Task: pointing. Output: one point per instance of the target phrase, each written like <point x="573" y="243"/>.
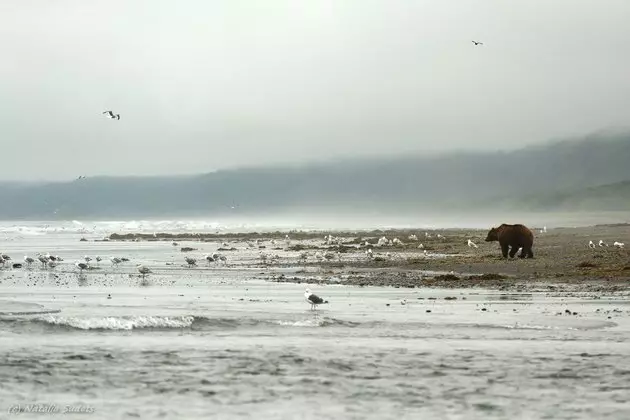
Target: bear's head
<point x="493" y="235"/>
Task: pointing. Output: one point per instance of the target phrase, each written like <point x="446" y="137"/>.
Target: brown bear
<point x="514" y="236"/>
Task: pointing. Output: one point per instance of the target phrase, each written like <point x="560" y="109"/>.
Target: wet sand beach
<point x="437" y="258"/>
<point x="401" y="337"/>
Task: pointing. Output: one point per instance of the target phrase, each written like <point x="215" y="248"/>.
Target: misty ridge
<point x="586" y="174"/>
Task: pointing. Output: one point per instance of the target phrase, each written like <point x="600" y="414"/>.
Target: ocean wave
<point x="316" y="322"/>
<point x="118" y="323"/>
<point x="147" y="322"/>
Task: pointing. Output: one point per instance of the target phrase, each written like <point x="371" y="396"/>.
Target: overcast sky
<point x="203" y="85"/>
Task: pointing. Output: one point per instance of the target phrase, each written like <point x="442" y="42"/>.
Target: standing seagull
<point x="190" y="261"/>
<point x="81" y="266"/>
<point x="471" y="243"/>
<point x="111" y="115"/>
<point x="474" y="42"/>
<point x="42" y="259"/>
<point x="314" y="300"/>
<point x="144" y="270"/>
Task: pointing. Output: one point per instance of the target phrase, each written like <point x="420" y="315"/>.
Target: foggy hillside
<point x="587" y="174"/>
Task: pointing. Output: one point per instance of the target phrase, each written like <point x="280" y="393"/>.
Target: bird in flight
<point x="111" y="115"/>
<point x="477" y="43"/>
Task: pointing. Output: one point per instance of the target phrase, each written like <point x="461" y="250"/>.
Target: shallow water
<point x="215" y="342"/>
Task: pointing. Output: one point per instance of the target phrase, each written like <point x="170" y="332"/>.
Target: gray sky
<point x="203" y="85"/>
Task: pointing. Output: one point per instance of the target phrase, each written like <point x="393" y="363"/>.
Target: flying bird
<point x="477" y="43"/>
<point x="111" y="115"/>
<point x="313" y="299"/>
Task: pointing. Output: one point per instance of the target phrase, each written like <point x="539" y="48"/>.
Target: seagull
<point x="115" y="261"/>
<point x="602" y="243"/>
<point x="144" y="270"/>
<point x="471" y="243"/>
<point x="28" y="260"/>
<point x="87" y="259"/>
<point x="209" y="258"/>
<point x="477" y="43"/>
<point x="591" y="244"/>
<point x="190" y="261"/>
<point x="618" y="244"/>
<point x="314" y="300"/>
<point x="42" y="259"/>
<point x="98" y="259"/>
<point x="111" y="115"/>
<point x="81" y="266"/>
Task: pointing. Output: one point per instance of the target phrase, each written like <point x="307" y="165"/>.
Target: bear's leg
<point x="504" y="250"/>
<point x="530" y="253"/>
<point x="513" y="251"/>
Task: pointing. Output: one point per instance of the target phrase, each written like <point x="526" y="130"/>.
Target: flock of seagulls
<point x="51" y="261"/>
<point x="603" y="244"/>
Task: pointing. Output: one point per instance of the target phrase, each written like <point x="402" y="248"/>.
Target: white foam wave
<point x="302" y="323"/>
<point x="119" y="323"/>
<point x="531" y="327"/>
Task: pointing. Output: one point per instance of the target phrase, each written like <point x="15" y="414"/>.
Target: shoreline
<point x="437" y="258"/>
